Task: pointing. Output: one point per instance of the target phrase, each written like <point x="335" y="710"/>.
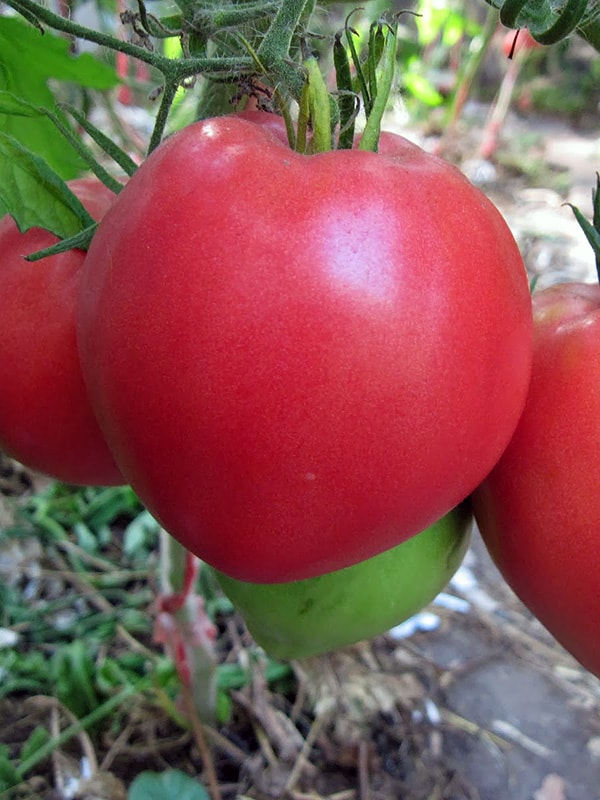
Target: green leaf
<point x="38" y="738"/>
<point x="73" y="668"/>
<point x="28" y="60"/>
<point x="9" y="775"/>
<point x="52" y="57"/>
<point x="11" y="104"/>
<point x="165" y="786"/>
<point x="35" y="195"/>
<point x="421" y="88"/>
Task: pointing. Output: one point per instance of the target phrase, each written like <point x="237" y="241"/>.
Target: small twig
<point x="513" y="734"/>
<point x="302" y="757"/>
<point x="472" y="728"/>
<point x="94" y="561"/>
<point x="265" y="744"/>
<point x="363" y="770"/>
<point x="76" y="728"/>
<point x="115" y="747"/>
<point x="223" y="743"/>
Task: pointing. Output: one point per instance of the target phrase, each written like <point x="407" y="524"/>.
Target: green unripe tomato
<point x="307" y="617"/>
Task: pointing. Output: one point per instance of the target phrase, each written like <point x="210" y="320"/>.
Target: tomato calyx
<point x="369" y="89"/>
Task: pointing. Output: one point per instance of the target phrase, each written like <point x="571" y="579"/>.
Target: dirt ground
<point x="479" y="702"/>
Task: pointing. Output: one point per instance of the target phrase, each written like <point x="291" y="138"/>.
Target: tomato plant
<point x="539" y="509"/>
<point x="46" y="420"/>
<point x="301" y="361"/>
<point x="308" y="617"/>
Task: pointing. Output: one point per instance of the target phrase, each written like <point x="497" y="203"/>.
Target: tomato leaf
<point x="9" y="775"/>
<point x="34" y="195"/>
<point x="11" y="104"/>
<point x="28" y="60"/>
<point x="38" y="737"/>
<point x="166" y="786"/>
<point x="51" y="56"/>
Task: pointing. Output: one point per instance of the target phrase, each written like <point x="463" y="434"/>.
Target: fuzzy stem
<point x="274" y="49"/>
<point x="176" y="69"/>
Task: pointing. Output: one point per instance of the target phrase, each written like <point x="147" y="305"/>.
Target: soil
<point x="479" y="703"/>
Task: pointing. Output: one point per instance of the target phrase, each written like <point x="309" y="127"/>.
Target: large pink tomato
<point x="46" y="420"/>
<point x="539" y="509"/>
<point x="301" y="361"/>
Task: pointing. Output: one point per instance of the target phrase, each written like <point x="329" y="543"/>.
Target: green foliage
<point x="29" y="58"/>
<point x="79" y="645"/>
<point x="443" y="22"/>
<point x="9" y="775"/>
<point x="34" y="194"/>
<point x="165" y="786"/>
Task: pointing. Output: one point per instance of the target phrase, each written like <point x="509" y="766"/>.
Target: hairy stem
<point x="179" y="69"/>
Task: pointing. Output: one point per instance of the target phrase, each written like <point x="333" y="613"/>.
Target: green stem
<point x="274" y="50"/>
<point x="160" y="122"/>
<point x="86" y="154"/>
<point x="118" y="155"/>
<point x="232" y="16"/>
<point x="176" y="69"/>
<point x="278" y="39"/>
<point x="173" y="557"/>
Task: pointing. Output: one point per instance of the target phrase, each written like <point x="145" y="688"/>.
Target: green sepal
<point x="371" y="133"/>
<point x="591" y="229"/>
<point x="80" y="241"/>
<point x="346" y="94"/>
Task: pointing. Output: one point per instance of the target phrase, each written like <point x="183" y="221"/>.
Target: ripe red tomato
<point x="539" y="509"/>
<point x="301" y="361"/>
<point x="46" y="421"/>
<point x="518" y="42"/>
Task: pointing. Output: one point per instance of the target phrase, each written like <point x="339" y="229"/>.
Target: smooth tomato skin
<point x="518" y="42"/>
<point x="306" y="618"/>
<point x="539" y="509"/>
<point x="300" y="361"/>
<point x="46" y="421"/>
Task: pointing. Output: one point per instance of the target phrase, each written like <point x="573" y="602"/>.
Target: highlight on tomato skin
<point x="46" y="420"/>
<point x="539" y="509"/>
<point x="300" y="361"/>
